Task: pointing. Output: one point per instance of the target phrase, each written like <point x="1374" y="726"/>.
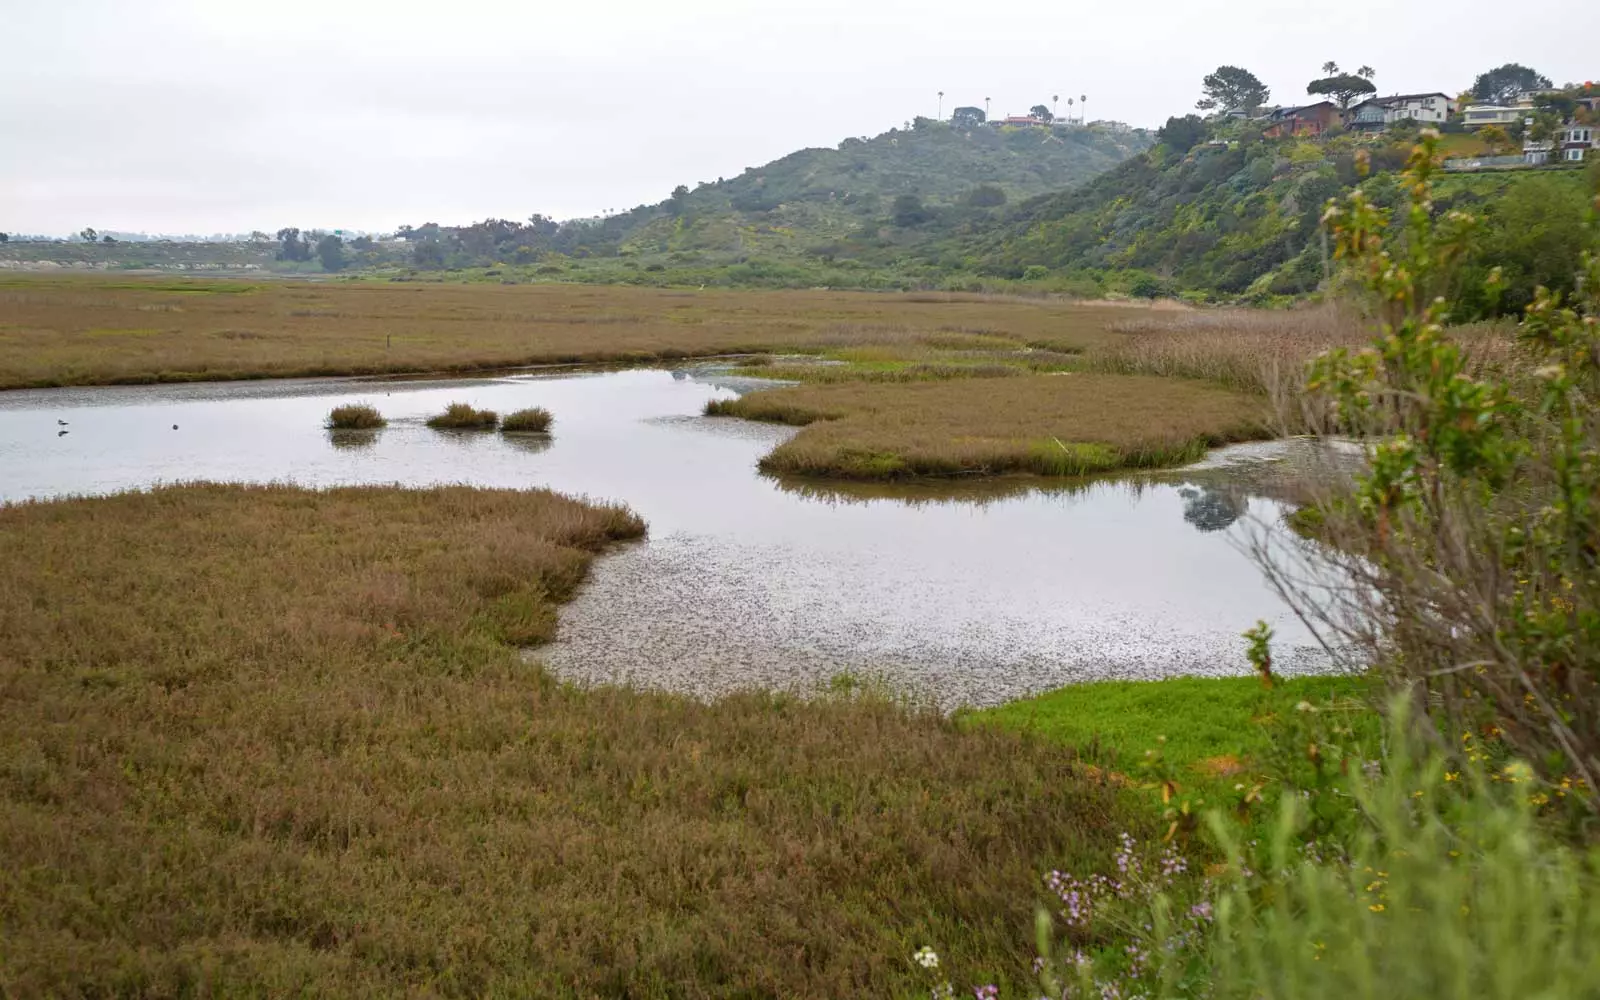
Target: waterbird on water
<point x="174" y="426"/>
<point x="59" y="433"/>
<point x="62" y="423"/>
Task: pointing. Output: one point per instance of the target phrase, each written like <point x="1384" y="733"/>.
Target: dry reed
<point x="355" y="417"/>
<point x="463" y="417"/>
<point x="535" y="420"/>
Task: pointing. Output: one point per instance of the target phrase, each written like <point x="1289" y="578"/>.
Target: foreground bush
<point x="536" y="419"/>
<point x="462" y="417"/>
<point x="1472" y="544"/>
<point x="354" y="417"/>
<point x="1452" y="887"/>
<point x="281" y="741"/>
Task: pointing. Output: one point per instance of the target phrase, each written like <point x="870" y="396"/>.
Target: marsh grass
<point x="54" y="329"/>
<point x="535" y="420"/>
<point x="355" y="417"/>
<point x="1051" y="425"/>
<point x="463" y="417"/>
<point x="1259" y="351"/>
<point x="268" y="740"/>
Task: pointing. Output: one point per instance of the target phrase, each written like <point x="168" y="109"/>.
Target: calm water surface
<point x="744" y="581"/>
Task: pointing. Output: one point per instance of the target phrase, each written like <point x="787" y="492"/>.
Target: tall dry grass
<point x="1069" y="424"/>
<point x="265" y="740"/>
<point x="1255" y="350"/>
<point x="87" y="329"/>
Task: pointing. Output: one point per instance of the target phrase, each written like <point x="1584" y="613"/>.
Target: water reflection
<point x="972" y="592"/>
<point x="531" y="444"/>
<point x="1213" y="508"/>
<point x="352" y="439"/>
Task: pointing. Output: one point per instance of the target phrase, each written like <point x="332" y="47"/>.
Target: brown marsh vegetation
<point x="535" y="419"/>
<point x="90" y="329"/>
<point x="267" y="740"/>
<point x="1067" y="424"/>
<point x="355" y="417"/>
<point x="464" y="417"/>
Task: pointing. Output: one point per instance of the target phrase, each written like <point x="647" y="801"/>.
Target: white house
<point x="1576" y="140"/>
<point x="1483" y="115"/>
<point x="1432" y="108"/>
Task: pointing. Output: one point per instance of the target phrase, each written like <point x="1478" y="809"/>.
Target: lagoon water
<point x="970" y="597"/>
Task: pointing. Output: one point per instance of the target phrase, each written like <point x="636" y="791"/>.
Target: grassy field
<point x="1211" y="728"/>
<point x="86" y="330"/>
<point x="272" y="741"/>
<point x="1066" y="424"/>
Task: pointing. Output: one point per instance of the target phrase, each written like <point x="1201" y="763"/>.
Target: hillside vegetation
<point x="1242" y="218"/>
<point x="904" y="177"/>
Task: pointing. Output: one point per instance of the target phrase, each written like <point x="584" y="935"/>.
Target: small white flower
<point x="926" y="957"/>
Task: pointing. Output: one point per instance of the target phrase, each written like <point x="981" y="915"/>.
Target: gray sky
<point x="202" y="116"/>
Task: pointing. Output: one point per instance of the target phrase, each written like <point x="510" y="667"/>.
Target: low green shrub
<point x="1451" y="885"/>
<point x="461" y="416"/>
<point x="355" y="417"/>
<point x="535" y="419"/>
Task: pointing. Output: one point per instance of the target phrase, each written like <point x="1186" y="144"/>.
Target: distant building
<point x="1370" y="115"/>
<point x="1022" y="120"/>
<point x="1575" y="141"/>
<point x="1309" y="120"/>
<point x="1432" y="108"/>
<point x="1503" y="115"/>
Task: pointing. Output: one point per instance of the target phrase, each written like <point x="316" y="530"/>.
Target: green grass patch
<point x="355" y="417"/>
<point x="463" y="417"/>
<point x="1208" y="726"/>
<point x="534" y="420"/>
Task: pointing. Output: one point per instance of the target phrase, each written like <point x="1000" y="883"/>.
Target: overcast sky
<point x="201" y="116"/>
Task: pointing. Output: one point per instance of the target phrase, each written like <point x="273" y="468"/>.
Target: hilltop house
<point x="1310" y="120"/>
<point x="1425" y="108"/>
<point x="1503" y="115"/>
<point x="1575" y="141"/>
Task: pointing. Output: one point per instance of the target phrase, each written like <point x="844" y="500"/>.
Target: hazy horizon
<point x="180" y="116"/>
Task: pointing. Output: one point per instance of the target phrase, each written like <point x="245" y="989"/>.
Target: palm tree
<point x="941" y="104"/>
<point x="1366" y="72"/>
<point x="986" y="109"/>
<point x="1083" y="107"/>
<point x="1070" y="103"/>
<point x="1055" y="100"/>
<point x="1330" y="67"/>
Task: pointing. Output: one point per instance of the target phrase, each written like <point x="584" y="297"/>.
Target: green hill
<point x="1241" y="219"/>
<point x="818" y="196"/>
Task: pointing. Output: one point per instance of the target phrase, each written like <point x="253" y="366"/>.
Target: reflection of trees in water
<point x="1210" y="508"/>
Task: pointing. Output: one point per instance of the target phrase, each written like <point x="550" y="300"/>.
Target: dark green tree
<point x="986" y="196"/>
<point x="292" y="246"/>
<point x="967" y="117"/>
<point x="1342" y="88"/>
<point x="427" y="254"/>
<point x="89" y="235"/>
<point x="908" y="211"/>
<point x="1502" y="84"/>
<point x="1182" y="134"/>
<point x="5" y="237"/>
<point x="1232" y="88"/>
<point x="1041" y="112"/>
<point x="680" y="195"/>
<point x="364" y="244"/>
<point x="330" y="251"/>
